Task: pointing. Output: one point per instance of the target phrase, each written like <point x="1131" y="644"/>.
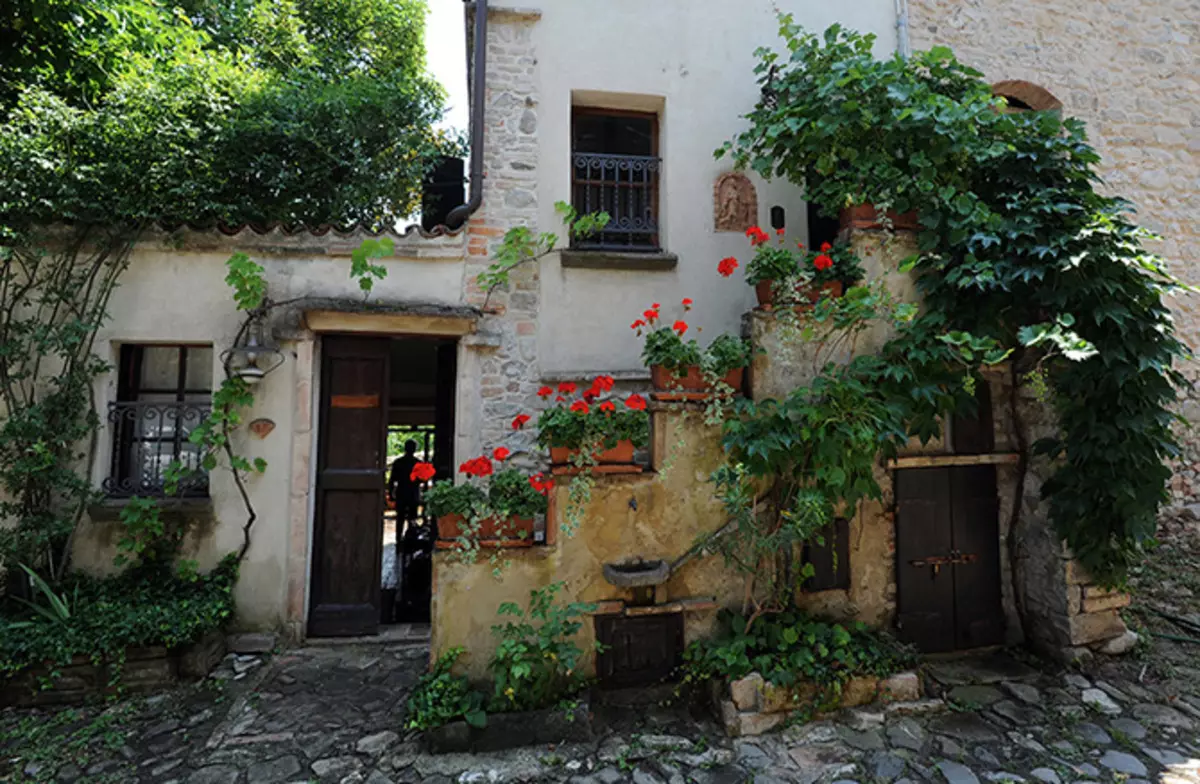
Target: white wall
<point x="697" y="56"/>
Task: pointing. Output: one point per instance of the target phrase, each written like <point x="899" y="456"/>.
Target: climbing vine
<point x="1017" y="249"/>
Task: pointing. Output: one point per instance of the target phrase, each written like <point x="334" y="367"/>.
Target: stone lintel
<point x="616" y="260"/>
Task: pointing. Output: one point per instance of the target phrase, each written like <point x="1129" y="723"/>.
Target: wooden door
<point x="948" y="558"/>
<point x="348" y="529"/>
<point x="639" y="650"/>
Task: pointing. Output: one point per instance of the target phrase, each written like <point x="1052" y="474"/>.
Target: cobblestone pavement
<point x="335" y="715"/>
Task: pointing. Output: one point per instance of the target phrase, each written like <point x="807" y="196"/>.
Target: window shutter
<point x="831" y="560"/>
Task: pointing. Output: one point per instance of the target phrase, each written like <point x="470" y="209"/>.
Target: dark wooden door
<point x="348" y="529"/>
<point x="948" y="558"/>
<point x="639" y="650"/>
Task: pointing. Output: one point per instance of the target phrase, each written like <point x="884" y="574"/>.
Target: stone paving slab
<point x="335" y="715"/>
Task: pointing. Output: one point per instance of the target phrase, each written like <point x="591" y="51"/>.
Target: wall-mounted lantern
<point x="255" y="355"/>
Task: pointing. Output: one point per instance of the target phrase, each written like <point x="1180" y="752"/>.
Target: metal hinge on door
<point x="936" y="562"/>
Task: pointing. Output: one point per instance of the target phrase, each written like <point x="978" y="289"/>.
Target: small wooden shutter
<point x="830" y="560"/>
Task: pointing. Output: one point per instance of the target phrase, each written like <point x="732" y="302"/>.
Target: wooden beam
<point x="938" y="461"/>
<point x="389" y="323"/>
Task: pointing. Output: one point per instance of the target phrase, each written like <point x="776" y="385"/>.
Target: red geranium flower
<point x="608" y="407"/>
<point x="501" y="453"/>
<point x="560" y="399"/>
<point x="780" y="232"/>
<point x="680" y="327"/>
<point x="422" y="472"/>
<point x="651" y="315"/>
<point x="567" y="388"/>
<point x="727" y="266"/>
<point x="757" y="236"/>
<point x="687" y="303"/>
<point x="822" y="262"/>
<point x="656" y="306"/>
<point x="519" y="421"/>
<point x="580" y="407"/>
<point x="636" y="402"/>
<point x="637" y="324"/>
<point x="478" y="466"/>
<point x="545" y="392"/>
<point x="590" y="395"/>
<point x="826" y="247"/>
<point x="800" y="245"/>
<point x="603" y="383"/>
<point x="541" y="484"/>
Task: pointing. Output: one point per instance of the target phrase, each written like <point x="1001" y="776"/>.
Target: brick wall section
<point x="1129" y="71"/>
<point x="509" y="371"/>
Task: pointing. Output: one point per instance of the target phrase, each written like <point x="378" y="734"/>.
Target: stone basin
<point x="637" y="573"/>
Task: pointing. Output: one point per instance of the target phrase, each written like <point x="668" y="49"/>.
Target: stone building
<point x="576" y="97"/>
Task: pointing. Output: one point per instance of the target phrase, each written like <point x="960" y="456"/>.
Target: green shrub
<point x="560" y="426"/>
<point x="441" y="697"/>
<point x="447" y="498"/>
<point x="148" y="605"/>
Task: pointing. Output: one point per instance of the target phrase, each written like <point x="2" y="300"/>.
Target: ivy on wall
<point x="1017" y="249"/>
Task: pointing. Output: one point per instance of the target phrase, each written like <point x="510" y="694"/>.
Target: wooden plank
<point x="945" y="461"/>
<point x="388" y="323"/>
<point x="354" y="401"/>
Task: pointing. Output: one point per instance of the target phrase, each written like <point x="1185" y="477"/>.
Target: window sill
<point x="658" y="261"/>
<point x="199" y="509"/>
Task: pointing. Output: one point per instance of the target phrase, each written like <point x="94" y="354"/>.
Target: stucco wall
<point x="690" y="59"/>
<point x="1129" y="70"/>
<point x="174" y="292"/>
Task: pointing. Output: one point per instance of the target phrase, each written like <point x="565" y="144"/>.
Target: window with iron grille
<point x="616" y="169"/>
<point x="163" y="393"/>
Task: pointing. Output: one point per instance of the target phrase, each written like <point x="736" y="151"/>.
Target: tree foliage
<point x="1018" y="249"/>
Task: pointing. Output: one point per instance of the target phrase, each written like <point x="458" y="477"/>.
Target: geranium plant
<point x="665" y="346"/>
<point x="585" y="422"/>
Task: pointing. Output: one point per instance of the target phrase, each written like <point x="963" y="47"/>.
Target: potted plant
<point x="503" y="513"/>
<point x="866" y="216"/>
<point x="772" y="265"/>
<point x="831" y="268"/>
<point x="586" y="429"/>
<point x="684" y="366"/>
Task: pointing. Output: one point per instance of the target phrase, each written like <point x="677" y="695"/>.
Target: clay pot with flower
<point x="682" y="370"/>
<point x="496" y="507"/>
<point x="591" y="427"/>
<point x="783" y="274"/>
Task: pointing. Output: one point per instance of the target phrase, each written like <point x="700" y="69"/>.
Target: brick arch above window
<point x="1027" y="96"/>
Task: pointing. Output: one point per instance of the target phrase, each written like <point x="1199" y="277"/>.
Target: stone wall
<point x="1129" y="71"/>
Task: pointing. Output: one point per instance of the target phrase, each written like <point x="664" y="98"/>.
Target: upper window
<point x="1026" y="97"/>
<point x="615" y="169"/>
<point x="162" y="394"/>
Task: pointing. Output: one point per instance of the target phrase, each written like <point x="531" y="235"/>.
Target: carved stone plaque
<point x="261" y="427"/>
<point x="735" y="202"/>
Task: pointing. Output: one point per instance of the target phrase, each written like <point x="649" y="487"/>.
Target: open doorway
<point x="386" y="404"/>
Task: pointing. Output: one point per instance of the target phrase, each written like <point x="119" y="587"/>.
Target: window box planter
<point x="493" y="531"/>
<point x="865" y="216"/>
<point x="512" y="730"/>
<point x="765" y="292"/>
<point x="618" y="459"/>
<point x="690" y="385"/>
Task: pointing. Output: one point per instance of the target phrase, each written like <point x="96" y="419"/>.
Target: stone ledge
<point x="615" y="260"/>
<point x="199" y="509"/>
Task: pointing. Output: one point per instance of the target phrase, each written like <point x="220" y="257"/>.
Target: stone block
<point x="901" y="687"/>
<point x="777" y="699"/>
<point x="1102" y="600"/>
<point x="199" y="659"/>
<point x="251" y="642"/>
<point x="1119" y="646"/>
<point x="747" y="724"/>
<point x="860" y="691"/>
<point x="747" y="692"/>
<point x="1088" y="628"/>
<point x="1076" y="574"/>
<point x="1074" y="599"/>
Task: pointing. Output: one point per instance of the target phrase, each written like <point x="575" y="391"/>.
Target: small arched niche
<point x="1026" y="97"/>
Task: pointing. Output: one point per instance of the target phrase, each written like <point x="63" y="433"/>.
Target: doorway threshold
<point x="392" y="634"/>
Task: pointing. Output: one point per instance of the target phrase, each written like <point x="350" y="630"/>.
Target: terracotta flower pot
<point x="764" y="290"/>
<point x="452" y="526"/>
<point x="692" y="381"/>
<point x="865" y="216"/>
<point x="621" y="454"/>
<point x="813" y="293"/>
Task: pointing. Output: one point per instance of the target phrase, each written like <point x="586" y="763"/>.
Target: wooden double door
<point x="948" y="558"/>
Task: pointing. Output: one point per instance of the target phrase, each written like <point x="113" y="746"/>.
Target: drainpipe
<point x="903" y="45"/>
<point x="458" y="216"/>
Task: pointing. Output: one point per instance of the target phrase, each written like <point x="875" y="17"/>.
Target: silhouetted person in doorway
<point x="405" y="493"/>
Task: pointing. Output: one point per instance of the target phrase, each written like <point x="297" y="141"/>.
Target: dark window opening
<point x="830" y="558"/>
<point x="821" y="228"/>
<point x="616" y="169"/>
<point x="163" y="393"/>
<point x="1017" y="103"/>
<point x="973" y="432"/>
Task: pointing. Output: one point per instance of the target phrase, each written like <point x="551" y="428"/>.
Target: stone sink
<point x="637" y="573"/>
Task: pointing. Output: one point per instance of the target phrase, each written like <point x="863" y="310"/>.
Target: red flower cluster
<point x="501" y="453"/>
<point x="636" y="402"/>
<point x="727" y="265"/>
<point x="519" y="421"/>
<point x="687" y="303"/>
<point x="607" y="407"/>
<point x="822" y="262"/>
<point x="603" y="383"/>
<point x="566" y="388"/>
<point x="651" y="315"/>
<point x="422" y="472"/>
<point x="680" y="327"/>
<point x="540" y="483"/>
<point x="826" y="247"/>
<point x="545" y="392"/>
<point x="757" y="236"/>
<point x="638" y="324"/>
<point x="477" y="466"/>
<point x="580" y="407"/>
